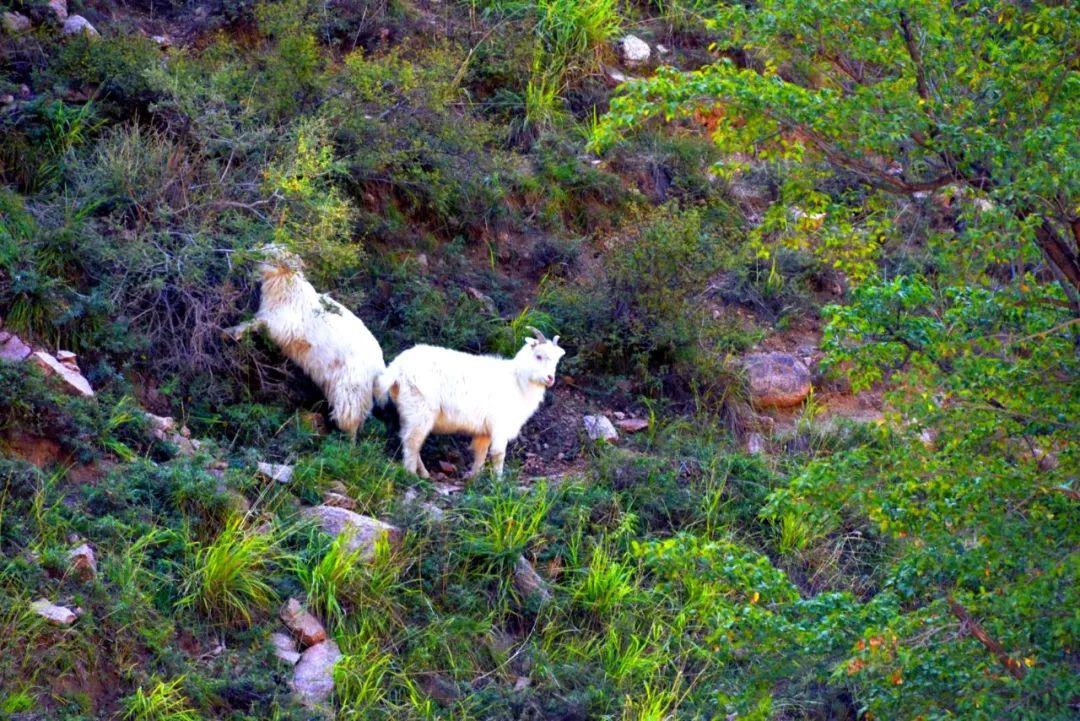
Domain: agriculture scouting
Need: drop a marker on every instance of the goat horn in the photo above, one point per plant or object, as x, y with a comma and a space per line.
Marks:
536, 332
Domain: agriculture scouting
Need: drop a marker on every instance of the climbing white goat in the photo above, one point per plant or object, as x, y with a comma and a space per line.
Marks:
490, 398
320, 335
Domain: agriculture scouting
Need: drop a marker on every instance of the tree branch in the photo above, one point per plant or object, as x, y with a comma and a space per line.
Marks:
1012, 665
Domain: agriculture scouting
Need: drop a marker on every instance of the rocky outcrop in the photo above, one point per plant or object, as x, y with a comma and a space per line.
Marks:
777, 380
364, 531
313, 680
56, 615
78, 25
67, 373
599, 428
304, 627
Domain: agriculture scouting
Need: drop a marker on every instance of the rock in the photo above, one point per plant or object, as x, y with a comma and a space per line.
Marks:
632, 425
285, 647
446, 489
305, 627
73, 380
755, 444
338, 500
24, 91
662, 49
599, 428
634, 51
83, 561
160, 426
276, 472
485, 300
78, 25
364, 529
412, 498
777, 380
447, 467
528, 582
58, 615
15, 23
313, 680
616, 77
163, 41
12, 347
7, 99
522, 683
60, 9
69, 359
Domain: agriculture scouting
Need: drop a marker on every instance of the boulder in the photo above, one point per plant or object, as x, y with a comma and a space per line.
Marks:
83, 561
632, 425
73, 381
285, 647
313, 680
634, 51
305, 627
58, 615
78, 25
15, 23
364, 530
59, 9
528, 582
777, 380
279, 472
599, 428
12, 347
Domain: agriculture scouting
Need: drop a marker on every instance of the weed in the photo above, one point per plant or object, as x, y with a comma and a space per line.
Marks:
163, 702
502, 529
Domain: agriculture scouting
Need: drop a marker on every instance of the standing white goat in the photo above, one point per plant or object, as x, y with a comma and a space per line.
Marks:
490, 398
320, 335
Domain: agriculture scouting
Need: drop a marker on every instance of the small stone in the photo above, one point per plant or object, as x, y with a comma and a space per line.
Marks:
599, 428
634, 51
528, 582
446, 489
285, 647
313, 680
7, 99
447, 467
59, 8
662, 49
73, 380
338, 500
66, 356
83, 561
58, 615
276, 472
619, 415
24, 91
522, 683
632, 425
160, 426
366, 531
15, 23
305, 627
12, 347
78, 25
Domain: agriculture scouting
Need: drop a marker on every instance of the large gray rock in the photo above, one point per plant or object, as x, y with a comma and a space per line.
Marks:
634, 51
78, 25
365, 531
599, 428
15, 23
777, 380
304, 627
12, 347
72, 380
57, 615
285, 647
313, 680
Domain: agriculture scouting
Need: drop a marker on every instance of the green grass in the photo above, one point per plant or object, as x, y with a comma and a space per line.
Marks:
226, 579
163, 702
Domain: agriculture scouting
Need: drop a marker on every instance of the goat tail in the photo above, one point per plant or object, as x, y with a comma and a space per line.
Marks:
384, 386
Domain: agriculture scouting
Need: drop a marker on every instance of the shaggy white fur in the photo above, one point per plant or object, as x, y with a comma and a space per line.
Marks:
320, 335
438, 390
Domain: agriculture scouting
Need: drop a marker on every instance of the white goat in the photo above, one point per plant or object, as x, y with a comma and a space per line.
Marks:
320, 335
490, 398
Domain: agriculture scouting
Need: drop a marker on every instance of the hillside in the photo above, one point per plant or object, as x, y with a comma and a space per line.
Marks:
811, 453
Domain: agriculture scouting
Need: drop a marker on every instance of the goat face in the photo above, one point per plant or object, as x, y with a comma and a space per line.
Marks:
276, 261
538, 360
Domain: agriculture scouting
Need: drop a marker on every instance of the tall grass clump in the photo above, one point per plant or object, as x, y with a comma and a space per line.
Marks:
226, 577
163, 702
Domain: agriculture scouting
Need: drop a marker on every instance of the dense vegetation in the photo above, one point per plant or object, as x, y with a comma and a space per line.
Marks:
899, 180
